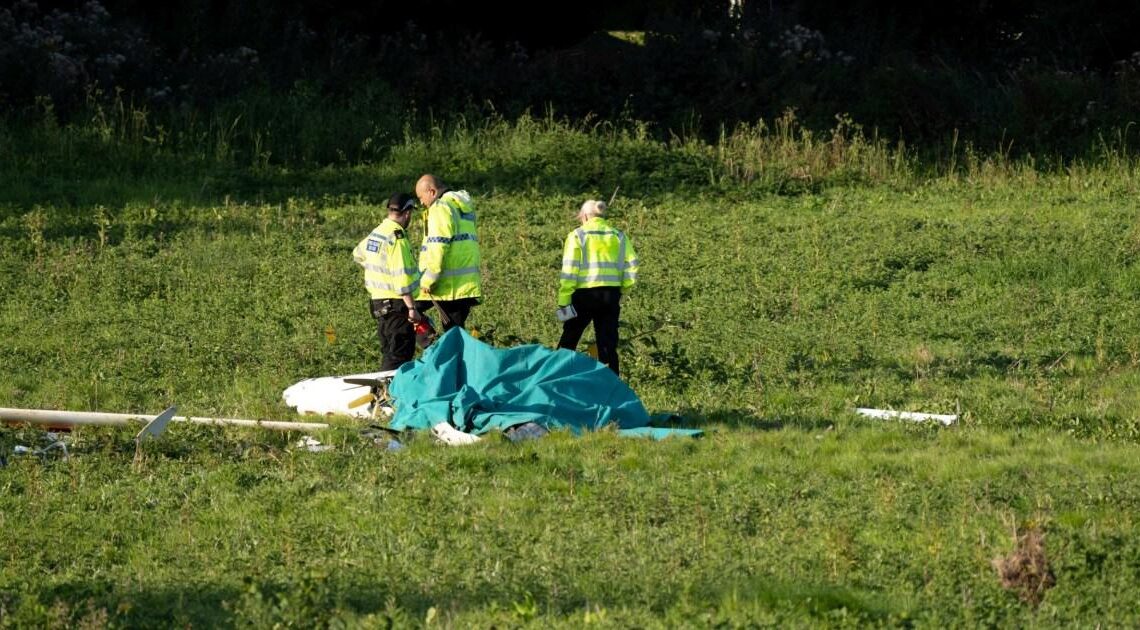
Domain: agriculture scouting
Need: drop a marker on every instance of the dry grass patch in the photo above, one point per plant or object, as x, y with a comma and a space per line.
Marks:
1026, 571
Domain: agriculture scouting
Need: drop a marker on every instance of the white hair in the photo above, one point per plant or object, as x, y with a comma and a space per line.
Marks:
592, 208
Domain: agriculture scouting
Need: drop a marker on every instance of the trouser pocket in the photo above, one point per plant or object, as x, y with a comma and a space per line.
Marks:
380, 308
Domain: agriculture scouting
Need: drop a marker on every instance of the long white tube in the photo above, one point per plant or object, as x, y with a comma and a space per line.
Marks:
946, 419
76, 418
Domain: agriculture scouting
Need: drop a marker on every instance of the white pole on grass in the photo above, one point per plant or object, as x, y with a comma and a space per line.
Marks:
99, 418
946, 419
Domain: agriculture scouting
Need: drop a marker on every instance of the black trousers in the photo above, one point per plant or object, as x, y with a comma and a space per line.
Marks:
601, 305
456, 311
397, 337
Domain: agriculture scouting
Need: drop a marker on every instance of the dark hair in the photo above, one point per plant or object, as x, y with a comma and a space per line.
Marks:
401, 202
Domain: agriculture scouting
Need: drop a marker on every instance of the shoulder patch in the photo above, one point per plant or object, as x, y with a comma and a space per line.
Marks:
398, 234
373, 245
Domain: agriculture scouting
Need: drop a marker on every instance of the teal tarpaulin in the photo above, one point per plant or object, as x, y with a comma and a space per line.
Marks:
479, 388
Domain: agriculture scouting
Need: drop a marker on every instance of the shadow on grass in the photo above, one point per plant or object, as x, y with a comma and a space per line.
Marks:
69, 190
308, 601
743, 419
133, 174
69, 206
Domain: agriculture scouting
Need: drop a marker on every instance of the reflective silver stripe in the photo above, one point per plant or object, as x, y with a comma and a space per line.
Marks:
462, 271
620, 265
387, 272
372, 284
601, 277
621, 255
570, 262
429, 275
633, 263
569, 276
377, 235
581, 253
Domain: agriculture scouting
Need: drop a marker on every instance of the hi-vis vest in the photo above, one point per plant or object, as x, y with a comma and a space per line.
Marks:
389, 267
596, 255
449, 257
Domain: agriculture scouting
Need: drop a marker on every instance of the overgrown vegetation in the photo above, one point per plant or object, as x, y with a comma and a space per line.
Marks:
264, 143
1042, 78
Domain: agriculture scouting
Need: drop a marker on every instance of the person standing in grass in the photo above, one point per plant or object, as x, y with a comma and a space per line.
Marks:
449, 258
598, 261
391, 277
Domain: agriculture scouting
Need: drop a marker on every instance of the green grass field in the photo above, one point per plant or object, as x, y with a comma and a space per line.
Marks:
786, 280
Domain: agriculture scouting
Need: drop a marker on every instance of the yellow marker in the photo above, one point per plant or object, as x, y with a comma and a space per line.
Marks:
592, 350
330, 334
475, 332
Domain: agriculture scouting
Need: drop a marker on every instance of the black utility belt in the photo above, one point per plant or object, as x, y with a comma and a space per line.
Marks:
384, 306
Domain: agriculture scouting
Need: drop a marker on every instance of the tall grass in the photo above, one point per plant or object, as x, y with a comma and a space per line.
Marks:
268, 138
786, 157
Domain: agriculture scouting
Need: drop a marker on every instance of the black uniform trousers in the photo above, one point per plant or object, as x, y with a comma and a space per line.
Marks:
455, 310
397, 337
601, 305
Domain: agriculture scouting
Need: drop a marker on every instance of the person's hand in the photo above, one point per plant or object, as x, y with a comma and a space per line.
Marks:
414, 315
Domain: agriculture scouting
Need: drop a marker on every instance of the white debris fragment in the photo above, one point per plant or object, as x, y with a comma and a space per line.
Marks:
890, 414
311, 444
451, 436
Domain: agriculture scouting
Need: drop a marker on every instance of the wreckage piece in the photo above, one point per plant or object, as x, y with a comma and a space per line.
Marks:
55, 442
152, 430
350, 395
156, 427
449, 435
56, 418
889, 414
473, 388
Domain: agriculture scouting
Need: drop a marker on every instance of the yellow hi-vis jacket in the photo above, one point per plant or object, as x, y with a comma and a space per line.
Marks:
389, 267
596, 255
449, 257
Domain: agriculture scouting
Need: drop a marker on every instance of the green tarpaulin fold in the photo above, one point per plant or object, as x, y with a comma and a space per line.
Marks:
478, 388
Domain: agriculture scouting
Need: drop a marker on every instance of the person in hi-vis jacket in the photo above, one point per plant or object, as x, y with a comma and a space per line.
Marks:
598, 262
392, 279
449, 257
